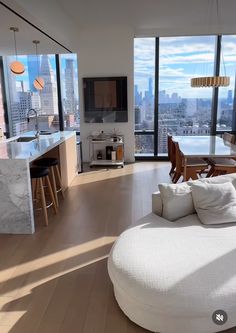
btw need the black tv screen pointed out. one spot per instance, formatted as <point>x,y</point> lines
<point>105,99</point>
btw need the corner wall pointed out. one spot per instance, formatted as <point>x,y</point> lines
<point>107,52</point>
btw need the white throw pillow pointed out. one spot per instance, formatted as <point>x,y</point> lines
<point>214,203</point>
<point>231,177</point>
<point>177,201</point>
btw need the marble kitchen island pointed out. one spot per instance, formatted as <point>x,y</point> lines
<point>16,207</point>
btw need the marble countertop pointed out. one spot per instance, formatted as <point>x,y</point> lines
<point>13,150</point>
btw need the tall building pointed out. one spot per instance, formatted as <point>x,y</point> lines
<point>48,94</point>
<point>69,87</point>
<point>150,86</point>
<point>32,62</point>
<point>230,97</point>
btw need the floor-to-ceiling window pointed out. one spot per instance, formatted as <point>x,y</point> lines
<point>184,110</point>
<point>69,91</point>
<point>226,103</point>
<point>173,106</point>
<point>144,81</point>
<point>3,127</point>
<point>22,94</point>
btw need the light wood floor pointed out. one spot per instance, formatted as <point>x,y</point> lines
<point>56,280</point>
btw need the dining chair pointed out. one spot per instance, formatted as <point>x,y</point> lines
<point>171,155</point>
<point>193,166</point>
<point>222,165</point>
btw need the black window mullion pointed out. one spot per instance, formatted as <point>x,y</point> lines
<point>215,93</point>
<point>59,96</point>
<point>156,97</point>
<point>4,99</point>
<point>234,109</point>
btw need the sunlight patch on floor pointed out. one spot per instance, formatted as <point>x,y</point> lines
<point>104,174</point>
<point>50,266</point>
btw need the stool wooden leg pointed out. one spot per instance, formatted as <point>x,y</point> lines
<point>59,180</point>
<point>54,186</point>
<point>33,186</point>
<point>51,194</point>
<point>44,206</point>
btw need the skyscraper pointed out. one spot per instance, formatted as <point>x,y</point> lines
<point>32,71</point>
<point>150,86</point>
<point>69,87</point>
<point>48,94</point>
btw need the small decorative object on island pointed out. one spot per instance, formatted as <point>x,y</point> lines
<point>16,66</point>
<point>38,81</point>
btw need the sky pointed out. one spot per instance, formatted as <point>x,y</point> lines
<point>182,58</point>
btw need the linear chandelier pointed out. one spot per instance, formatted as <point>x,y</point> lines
<point>212,81</point>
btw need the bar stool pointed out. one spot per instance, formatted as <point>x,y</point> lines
<point>38,174</point>
<point>52,164</point>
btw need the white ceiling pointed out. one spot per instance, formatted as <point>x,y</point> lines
<point>65,19</point>
<point>24,37</point>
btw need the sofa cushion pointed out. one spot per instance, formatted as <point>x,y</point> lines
<point>214,203</point>
<point>217,180</point>
<point>177,201</point>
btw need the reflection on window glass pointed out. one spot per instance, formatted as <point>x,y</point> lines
<point>24,96</point>
<point>184,110</point>
<point>144,144</point>
<point>2,119</point>
<point>69,89</point>
<point>226,94</point>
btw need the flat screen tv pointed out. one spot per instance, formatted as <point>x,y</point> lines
<point>105,99</point>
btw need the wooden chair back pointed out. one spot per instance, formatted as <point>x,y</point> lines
<point>171,150</point>
<point>229,137</point>
<point>178,158</point>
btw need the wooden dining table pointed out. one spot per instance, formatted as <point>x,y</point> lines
<point>203,147</point>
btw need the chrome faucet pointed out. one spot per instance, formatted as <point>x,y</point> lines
<point>36,120</point>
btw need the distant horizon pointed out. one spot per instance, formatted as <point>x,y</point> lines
<point>182,58</point>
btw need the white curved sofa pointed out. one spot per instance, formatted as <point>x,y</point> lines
<point>170,277</point>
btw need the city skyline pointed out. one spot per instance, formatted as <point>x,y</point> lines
<point>182,58</point>
<point>24,96</point>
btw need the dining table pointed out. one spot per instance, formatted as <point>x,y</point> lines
<point>204,147</point>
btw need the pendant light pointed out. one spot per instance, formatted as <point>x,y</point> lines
<point>16,66</point>
<point>38,81</point>
<point>212,81</point>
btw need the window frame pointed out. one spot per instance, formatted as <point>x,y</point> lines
<point>214,103</point>
<point>6,99</point>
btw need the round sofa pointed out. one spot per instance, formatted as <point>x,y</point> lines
<point>171,277</point>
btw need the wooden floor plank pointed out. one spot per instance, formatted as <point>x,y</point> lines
<point>56,281</point>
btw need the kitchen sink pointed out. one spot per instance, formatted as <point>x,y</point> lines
<point>45,133</point>
<point>25,139</point>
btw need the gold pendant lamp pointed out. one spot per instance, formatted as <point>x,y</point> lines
<point>16,66</point>
<point>38,81</point>
<point>212,81</point>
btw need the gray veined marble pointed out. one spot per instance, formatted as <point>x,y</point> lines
<point>16,211</point>
<point>16,208</point>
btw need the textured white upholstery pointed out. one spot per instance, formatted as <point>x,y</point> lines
<point>170,277</point>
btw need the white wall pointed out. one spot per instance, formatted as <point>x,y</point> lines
<point>107,52</point>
